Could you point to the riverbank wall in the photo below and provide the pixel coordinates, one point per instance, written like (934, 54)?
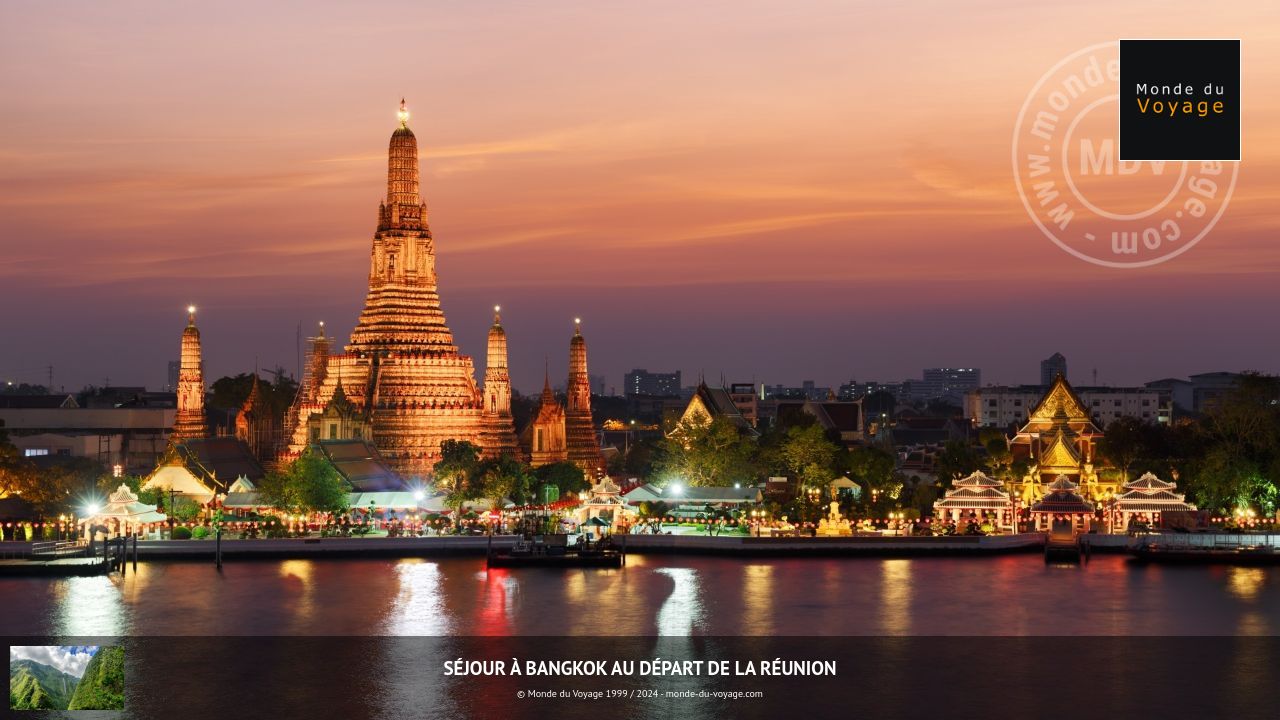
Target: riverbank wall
(726, 546)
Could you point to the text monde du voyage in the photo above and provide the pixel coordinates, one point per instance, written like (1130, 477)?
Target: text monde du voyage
(642, 668)
(1179, 99)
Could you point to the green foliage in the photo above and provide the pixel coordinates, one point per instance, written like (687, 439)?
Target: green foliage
(872, 467)
(179, 508)
(36, 686)
(181, 532)
(1235, 460)
(809, 455)
(50, 490)
(957, 459)
(200, 532)
(567, 477)
(706, 452)
(231, 392)
(308, 484)
(457, 473)
(1123, 441)
(505, 477)
(102, 687)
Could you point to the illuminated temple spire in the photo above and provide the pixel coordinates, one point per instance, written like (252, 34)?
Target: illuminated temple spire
(580, 433)
(190, 421)
(402, 310)
(401, 371)
(499, 436)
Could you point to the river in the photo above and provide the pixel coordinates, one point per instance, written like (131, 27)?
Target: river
(653, 595)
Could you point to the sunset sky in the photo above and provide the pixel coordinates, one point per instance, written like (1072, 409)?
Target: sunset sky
(775, 191)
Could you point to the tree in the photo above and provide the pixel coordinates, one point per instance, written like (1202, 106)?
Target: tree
(1241, 456)
(457, 473)
(1123, 443)
(957, 459)
(308, 484)
(567, 477)
(809, 455)
(873, 468)
(705, 452)
(504, 477)
(51, 489)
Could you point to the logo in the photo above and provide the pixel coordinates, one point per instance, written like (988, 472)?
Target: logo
(1082, 196)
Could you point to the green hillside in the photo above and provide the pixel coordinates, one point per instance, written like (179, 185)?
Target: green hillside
(102, 687)
(35, 686)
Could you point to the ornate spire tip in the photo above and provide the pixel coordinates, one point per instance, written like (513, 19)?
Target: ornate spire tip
(403, 114)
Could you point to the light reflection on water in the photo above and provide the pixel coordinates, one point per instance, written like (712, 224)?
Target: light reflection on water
(895, 597)
(673, 596)
(681, 612)
(418, 609)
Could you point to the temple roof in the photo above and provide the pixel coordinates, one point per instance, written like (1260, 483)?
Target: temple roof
(1061, 398)
(978, 479)
(217, 461)
(1061, 497)
(716, 402)
(1064, 503)
(977, 491)
(1061, 452)
(549, 408)
(1149, 482)
(360, 465)
(1062, 483)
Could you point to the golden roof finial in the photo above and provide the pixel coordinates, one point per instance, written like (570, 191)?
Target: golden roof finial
(191, 314)
(497, 319)
(403, 114)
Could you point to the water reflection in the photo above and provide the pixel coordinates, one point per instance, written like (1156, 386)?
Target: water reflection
(895, 597)
(497, 602)
(418, 609)
(757, 599)
(682, 611)
(696, 596)
(88, 606)
(1246, 582)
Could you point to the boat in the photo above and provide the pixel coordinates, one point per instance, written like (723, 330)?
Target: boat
(1226, 549)
(557, 551)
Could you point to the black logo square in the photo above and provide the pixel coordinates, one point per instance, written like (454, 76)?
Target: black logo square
(1179, 100)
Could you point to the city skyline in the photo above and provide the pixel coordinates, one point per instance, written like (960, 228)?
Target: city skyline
(772, 229)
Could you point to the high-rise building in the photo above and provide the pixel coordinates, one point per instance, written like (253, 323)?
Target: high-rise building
(655, 384)
(190, 422)
(599, 385)
(1051, 367)
(175, 366)
(808, 390)
(948, 383)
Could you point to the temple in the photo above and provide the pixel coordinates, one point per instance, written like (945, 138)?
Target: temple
(544, 437)
(498, 434)
(257, 425)
(579, 429)
(560, 433)
(1147, 501)
(190, 422)
(401, 372)
(977, 497)
(1059, 439)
